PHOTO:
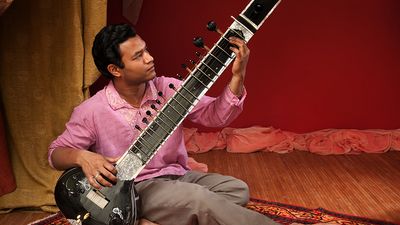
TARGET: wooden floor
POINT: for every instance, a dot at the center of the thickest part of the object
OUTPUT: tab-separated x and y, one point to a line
366	185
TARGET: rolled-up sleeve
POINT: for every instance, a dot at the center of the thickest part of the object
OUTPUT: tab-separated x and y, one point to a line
220	111
77	135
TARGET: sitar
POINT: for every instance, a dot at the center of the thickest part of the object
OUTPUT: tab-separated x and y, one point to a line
120	204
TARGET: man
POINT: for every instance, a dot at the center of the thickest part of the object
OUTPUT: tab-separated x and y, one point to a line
104	126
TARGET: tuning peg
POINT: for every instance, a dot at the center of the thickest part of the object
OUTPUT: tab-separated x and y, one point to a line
138	128
212	26
172	86
198	54
198	42
145	120
184	66
179	76
192	62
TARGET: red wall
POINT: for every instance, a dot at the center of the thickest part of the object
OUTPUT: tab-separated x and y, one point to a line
313	65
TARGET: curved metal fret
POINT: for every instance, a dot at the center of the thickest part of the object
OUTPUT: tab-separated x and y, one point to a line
223	50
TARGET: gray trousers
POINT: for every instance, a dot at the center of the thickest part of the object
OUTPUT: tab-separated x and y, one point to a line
197	199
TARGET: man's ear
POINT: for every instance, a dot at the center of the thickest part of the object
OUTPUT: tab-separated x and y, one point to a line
114	70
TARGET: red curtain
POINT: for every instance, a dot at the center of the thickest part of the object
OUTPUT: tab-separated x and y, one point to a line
313	64
7	181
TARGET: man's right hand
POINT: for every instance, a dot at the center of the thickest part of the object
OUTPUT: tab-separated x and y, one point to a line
98	169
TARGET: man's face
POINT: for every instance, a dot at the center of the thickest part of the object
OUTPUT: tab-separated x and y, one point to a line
139	64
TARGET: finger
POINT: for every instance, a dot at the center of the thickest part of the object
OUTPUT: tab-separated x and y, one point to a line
110	167
107	178
237	40
102	181
244	50
235	50
239	43
90	176
242	54
93	182
239	50
112	160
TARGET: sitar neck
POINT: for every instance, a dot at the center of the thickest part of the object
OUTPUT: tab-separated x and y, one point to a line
201	78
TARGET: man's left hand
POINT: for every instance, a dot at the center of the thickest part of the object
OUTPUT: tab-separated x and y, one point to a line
239	65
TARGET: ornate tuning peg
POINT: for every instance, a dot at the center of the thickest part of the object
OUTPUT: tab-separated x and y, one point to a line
212	26
198	42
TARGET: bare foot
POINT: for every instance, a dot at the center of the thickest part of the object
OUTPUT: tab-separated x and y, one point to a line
146	222
327	223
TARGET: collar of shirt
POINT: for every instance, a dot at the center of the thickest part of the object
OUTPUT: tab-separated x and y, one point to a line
116	102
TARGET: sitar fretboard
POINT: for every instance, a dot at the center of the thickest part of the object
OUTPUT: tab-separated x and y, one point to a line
202	77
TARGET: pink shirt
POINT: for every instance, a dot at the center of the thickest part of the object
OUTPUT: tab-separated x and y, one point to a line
105	123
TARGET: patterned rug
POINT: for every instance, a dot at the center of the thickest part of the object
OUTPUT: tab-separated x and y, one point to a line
287	214
279	212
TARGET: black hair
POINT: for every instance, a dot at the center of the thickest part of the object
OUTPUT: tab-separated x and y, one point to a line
105	48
